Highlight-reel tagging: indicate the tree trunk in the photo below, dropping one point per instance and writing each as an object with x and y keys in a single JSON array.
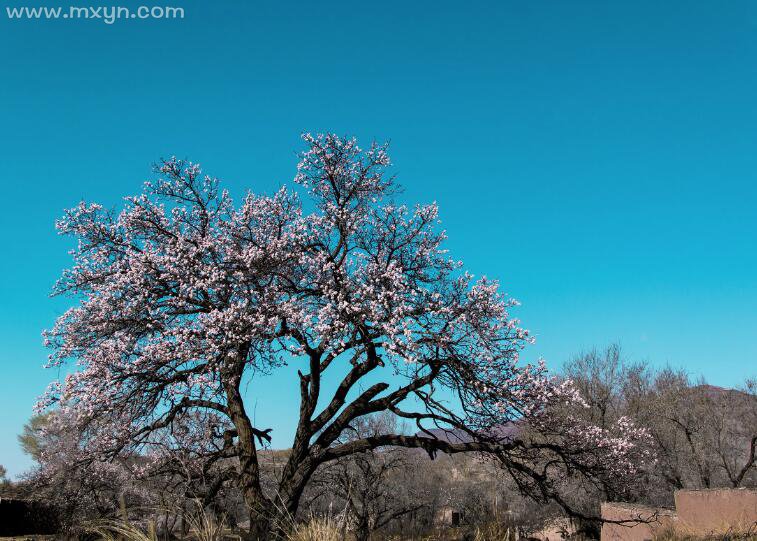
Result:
[
  {"x": 262, "y": 510},
  {"x": 262, "y": 516},
  {"x": 293, "y": 482},
  {"x": 362, "y": 530}
]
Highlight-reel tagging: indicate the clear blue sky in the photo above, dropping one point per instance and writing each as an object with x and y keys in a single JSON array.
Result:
[{"x": 596, "y": 157}]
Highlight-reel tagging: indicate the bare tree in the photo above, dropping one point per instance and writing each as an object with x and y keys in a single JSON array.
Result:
[
  {"x": 600, "y": 376},
  {"x": 371, "y": 485},
  {"x": 730, "y": 434},
  {"x": 703, "y": 436}
]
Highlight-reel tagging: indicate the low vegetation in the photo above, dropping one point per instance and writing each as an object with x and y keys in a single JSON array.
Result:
[{"x": 702, "y": 435}]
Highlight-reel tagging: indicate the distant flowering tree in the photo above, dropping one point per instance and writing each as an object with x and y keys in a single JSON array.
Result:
[
  {"x": 183, "y": 467},
  {"x": 77, "y": 494},
  {"x": 182, "y": 297}
]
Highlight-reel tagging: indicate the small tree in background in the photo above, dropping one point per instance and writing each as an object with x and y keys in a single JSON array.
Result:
[
  {"x": 33, "y": 437},
  {"x": 182, "y": 298},
  {"x": 78, "y": 493},
  {"x": 4, "y": 481},
  {"x": 372, "y": 486}
]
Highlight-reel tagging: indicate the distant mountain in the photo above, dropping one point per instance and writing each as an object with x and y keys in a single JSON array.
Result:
[{"x": 455, "y": 435}]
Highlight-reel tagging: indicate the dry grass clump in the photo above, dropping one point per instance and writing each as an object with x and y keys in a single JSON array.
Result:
[
  {"x": 672, "y": 534},
  {"x": 316, "y": 529},
  {"x": 495, "y": 531},
  {"x": 203, "y": 526},
  {"x": 118, "y": 530}
]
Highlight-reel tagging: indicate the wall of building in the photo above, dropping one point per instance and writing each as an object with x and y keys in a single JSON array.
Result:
[
  {"x": 698, "y": 513},
  {"x": 716, "y": 511},
  {"x": 634, "y": 522}
]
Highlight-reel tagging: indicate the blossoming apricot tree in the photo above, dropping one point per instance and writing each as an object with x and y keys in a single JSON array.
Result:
[{"x": 182, "y": 297}]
